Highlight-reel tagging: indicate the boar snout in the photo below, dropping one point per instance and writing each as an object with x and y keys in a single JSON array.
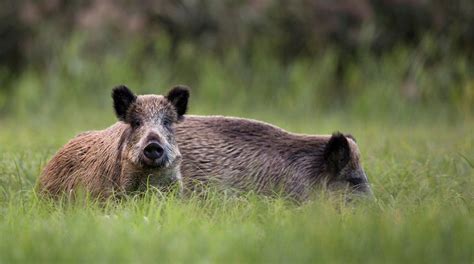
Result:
[{"x": 153, "y": 153}]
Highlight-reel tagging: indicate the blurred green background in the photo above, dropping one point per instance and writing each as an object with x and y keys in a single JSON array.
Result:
[{"x": 384, "y": 59}]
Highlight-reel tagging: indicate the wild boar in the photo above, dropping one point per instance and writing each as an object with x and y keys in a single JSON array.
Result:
[
  {"x": 139, "y": 149},
  {"x": 245, "y": 155}
]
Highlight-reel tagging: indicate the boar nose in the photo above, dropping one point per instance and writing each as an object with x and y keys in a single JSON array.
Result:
[
  {"x": 153, "y": 151},
  {"x": 360, "y": 184}
]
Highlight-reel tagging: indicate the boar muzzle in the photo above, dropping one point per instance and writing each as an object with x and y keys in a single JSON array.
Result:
[{"x": 154, "y": 154}]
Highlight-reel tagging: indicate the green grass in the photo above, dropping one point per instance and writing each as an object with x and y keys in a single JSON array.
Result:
[
  {"x": 418, "y": 152},
  {"x": 421, "y": 171}
]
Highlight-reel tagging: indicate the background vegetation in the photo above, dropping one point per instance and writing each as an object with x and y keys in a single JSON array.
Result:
[{"x": 398, "y": 75}]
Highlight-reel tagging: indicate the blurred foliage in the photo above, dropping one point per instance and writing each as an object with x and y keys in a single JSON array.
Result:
[{"x": 359, "y": 55}]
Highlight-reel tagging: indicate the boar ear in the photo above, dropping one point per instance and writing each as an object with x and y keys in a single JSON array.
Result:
[
  {"x": 123, "y": 98},
  {"x": 337, "y": 152},
  {"x": 178, "y": 96},
  {"x": 351, "y": 137}
]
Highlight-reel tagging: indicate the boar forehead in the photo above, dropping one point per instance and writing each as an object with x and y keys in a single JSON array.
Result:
[{"x": 153, "y": 107}]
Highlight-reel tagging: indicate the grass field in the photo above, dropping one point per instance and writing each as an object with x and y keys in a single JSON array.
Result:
[
  {"x": 421, "y": 170},
  {"x": 417, "y": 150}
]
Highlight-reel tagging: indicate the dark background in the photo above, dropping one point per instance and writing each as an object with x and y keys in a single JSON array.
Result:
[{"x": 358, "y": 56}]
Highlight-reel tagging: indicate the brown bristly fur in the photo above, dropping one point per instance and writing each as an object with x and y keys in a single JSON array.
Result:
[
  {"x": 247, "y": 155},
  {"x": 113, "y": 160}
]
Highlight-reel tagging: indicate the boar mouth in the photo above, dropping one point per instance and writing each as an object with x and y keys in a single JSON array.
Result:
[
  {"x": 364, "y": 189},
  {"x": 154, "y": 164}
]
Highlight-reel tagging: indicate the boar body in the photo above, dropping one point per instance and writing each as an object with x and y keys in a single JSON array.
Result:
[{"x": 244, "y": 154}]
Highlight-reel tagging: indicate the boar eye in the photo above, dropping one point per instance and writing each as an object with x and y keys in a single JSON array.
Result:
[
  {"x": 166, "y": 122},
  {"x": 135, "y": 123}
]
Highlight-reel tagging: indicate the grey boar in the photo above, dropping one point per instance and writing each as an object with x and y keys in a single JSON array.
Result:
[{"x": 245, "y": 155}]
